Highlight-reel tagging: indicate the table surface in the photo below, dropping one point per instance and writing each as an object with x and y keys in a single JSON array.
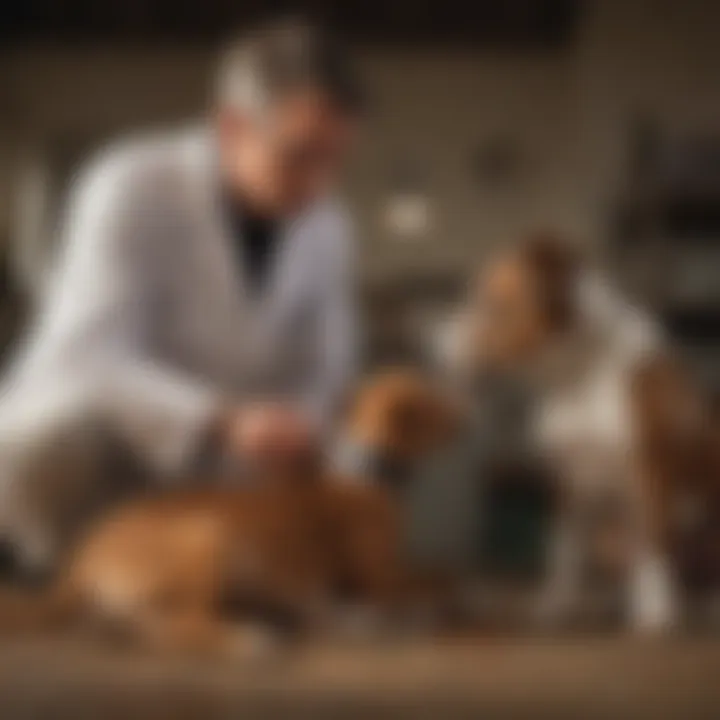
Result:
[{"x": 491, "y": 677}]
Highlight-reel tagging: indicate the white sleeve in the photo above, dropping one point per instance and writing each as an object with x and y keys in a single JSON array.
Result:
[{"x": 92, "y": 334}]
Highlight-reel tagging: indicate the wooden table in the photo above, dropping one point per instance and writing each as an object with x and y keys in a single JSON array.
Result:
[{"x": 578, "y": 678}]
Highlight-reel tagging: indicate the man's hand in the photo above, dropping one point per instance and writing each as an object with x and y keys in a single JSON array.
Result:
[{"x": 266, "y": 433}]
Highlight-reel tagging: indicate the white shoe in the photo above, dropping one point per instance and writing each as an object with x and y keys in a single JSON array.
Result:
[{"x": 653, "y": 601}]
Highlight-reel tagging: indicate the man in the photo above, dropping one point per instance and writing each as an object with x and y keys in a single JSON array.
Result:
[{"x": 204, "y": 304}]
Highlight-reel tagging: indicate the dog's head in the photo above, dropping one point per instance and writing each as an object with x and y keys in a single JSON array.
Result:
[
  {"x": 402, "y": 414},
  {"x": 524, "y": 299}
]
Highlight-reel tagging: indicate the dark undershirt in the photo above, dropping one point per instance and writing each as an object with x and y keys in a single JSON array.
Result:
[{"x": 255, "y": 239}]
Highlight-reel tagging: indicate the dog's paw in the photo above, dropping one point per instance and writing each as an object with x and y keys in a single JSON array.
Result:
[
  {"x": 653, "y": 601},
  {"x": 252, "y": 643}
]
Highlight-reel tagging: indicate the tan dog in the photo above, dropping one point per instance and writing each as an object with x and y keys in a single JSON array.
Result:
[
  {"x": 616, "y": 417},
  {"x": 172, "y": 568}
]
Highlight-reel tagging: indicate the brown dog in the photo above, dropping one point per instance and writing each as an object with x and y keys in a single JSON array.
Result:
[
  {"x": 175, "y": 568},
  {"x": 616, "y": 416}
]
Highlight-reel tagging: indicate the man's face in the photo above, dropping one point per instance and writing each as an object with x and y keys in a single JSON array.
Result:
[{"x": 291, "y": 156}]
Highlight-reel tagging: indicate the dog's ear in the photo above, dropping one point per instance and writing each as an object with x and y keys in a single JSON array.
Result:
[
  {"x": 555, "y": 265},
  {"x": 400, "y": 412}
]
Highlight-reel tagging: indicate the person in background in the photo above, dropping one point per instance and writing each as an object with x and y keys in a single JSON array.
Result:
[{"x": 204, "y": 304}]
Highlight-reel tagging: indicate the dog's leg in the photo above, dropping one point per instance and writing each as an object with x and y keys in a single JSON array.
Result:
[
  {"x": 200, "y": 632},
  {"x": 185, "y": 615},
  {"x": 558, "y": 600},
  {"x": 653, "y": 603},
  {"x": 666, "y": 412}
]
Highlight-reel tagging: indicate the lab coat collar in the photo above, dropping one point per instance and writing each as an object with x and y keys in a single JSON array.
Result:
[{"x": 257, "y": 308}]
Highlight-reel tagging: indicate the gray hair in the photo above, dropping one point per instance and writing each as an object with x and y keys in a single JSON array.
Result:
[{"x": 283, "y": 57}]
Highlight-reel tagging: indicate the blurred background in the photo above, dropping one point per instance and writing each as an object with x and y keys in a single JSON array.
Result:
[{"x": 597, "y": 118}]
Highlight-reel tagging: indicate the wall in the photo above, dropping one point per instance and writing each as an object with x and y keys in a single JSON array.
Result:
[
  {"x": 644, "y": 58},
  {"x": 567, "y": 111},
  {"x": 432, "y": 107}
]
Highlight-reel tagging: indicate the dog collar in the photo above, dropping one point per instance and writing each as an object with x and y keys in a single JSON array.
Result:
[{"x": 370, "y": 465}]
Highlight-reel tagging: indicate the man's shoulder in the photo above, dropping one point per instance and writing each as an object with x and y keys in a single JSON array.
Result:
[{"x": 141, "y": 163}]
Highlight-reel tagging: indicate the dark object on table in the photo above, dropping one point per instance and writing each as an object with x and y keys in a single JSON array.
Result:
[{"x": 518, "y": 509}]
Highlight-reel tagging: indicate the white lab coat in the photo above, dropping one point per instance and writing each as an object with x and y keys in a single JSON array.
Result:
[{"x": 150, "y": 321}]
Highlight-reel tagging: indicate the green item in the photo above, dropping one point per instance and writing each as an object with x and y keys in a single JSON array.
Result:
[{"x": 514, "y": 536}]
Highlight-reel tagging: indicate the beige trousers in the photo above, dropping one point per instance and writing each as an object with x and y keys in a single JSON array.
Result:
[{"x": 57, "y": 474}]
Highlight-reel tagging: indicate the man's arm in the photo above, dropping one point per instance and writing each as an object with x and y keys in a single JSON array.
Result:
[
  {"x": 93, "y": 331},
  {"x": 338, "y": 340}
]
